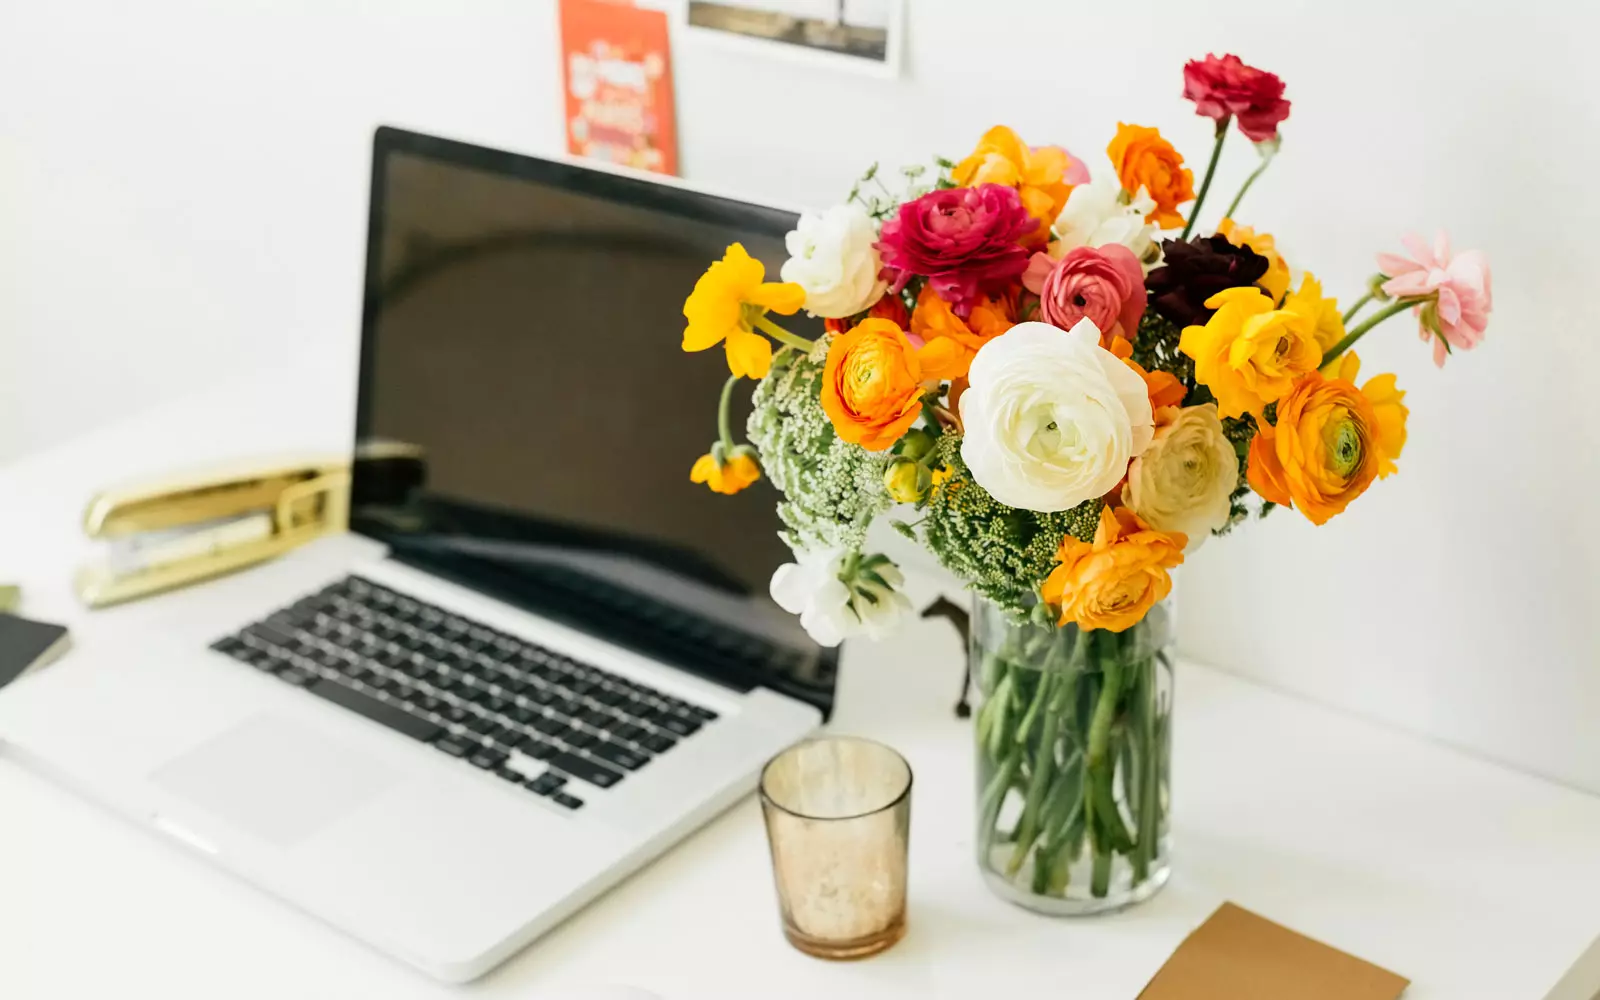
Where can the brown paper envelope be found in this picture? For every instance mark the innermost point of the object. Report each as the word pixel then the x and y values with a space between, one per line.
pixel 1236 955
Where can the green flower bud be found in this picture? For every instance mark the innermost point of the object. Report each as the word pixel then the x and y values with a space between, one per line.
pixel 907 482
pixel 916 444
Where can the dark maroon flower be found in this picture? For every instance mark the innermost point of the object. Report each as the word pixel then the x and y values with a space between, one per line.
pixel 1225 86
pixel 965 241
pixel 1194 271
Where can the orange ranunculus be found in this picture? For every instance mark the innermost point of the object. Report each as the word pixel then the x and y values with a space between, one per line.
pixel 1145 160
pixel 933 319
pixel 1165 388
pixel 725 477
pixel 890 307
pixel 872 383
pixel 1276 281
pixel 728 301
pixel 1112 582
pixel 1038 174
pixel 1328 445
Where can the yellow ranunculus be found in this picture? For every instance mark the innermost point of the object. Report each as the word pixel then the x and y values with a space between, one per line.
pixel 1276 281
pixel 1387 406
pixel 727 477
pixel 727 302
pixel 1250 354
pixel 1324 313
pixel 1330 442
pixel 1037 173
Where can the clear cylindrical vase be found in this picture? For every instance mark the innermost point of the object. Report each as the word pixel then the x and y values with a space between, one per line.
pixel 1074 740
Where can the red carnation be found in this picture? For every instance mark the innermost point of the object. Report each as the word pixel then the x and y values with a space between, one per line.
pixel 1220 87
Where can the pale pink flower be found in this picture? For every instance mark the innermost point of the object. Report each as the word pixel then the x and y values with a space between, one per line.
pixel 1461 283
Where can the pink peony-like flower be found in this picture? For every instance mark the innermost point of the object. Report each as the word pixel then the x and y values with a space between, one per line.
pixel 1102 284
pixel 1220 87
pixel 1460 313
pixel 965 241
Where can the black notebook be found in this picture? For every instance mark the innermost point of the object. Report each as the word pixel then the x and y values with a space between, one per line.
pixel 27 644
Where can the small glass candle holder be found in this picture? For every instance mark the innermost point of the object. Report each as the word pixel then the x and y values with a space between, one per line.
pixel 838 814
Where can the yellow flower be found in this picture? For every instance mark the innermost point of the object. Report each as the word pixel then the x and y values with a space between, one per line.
pixel 726 478
pixel 1250 354
pixel 1037 173
pixel 1387 405
pixel 1324 313
pixel 1276 281
pixel 726 304
pixel 907 481
pixel 1114 581
pixel 1330 441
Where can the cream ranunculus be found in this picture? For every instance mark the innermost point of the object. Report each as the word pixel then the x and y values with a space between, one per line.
pixel 1183 480
pixel 831 256
pixel 1052 419
pixel 1095 216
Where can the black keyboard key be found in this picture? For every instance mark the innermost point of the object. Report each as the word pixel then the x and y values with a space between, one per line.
pixel 675 724
pixel 585 769
pixel 595 719
pixel 656 742
pixel 521 715
pixel 547 782
pixel 456 746
pixel 271 634
pixel 296 676
pixel 629 732
pixel 499 706
pixel 703 714
pixel 487 759
pixel 456 714
pixel 578 739
pixel 609 695
pixel 536 748
pixel 508 774
pixel 565 706
pixel 550 727
pixel 482 725
pixel 567 801
pixel 621 756
pixel 392 716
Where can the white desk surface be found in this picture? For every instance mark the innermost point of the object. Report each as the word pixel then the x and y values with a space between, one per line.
pixel 1471 879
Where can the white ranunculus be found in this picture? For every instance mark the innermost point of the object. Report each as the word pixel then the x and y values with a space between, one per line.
pixel 832 258
pixel 1096 216
pixel 1183 480
pixel 838 595
pixel 1052 419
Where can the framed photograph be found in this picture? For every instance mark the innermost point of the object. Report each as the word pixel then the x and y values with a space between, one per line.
pixel 859 35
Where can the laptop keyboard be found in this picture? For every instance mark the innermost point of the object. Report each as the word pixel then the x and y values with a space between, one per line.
pixel 483 696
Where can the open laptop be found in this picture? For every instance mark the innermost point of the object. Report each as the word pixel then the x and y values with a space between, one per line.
pixel 541 655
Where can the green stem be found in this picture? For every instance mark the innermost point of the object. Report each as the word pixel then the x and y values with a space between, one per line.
pixel 1257 172
pixel 1394 308
pixel 724 432
pixel 1205 185
pixel 783 336
pixel 989 804
pixel 1350 314
pixel 1105 710
pixel 1044 763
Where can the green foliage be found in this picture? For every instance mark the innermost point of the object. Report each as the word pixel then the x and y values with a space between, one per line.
pixel 1156 347
pixel 1001 552
pixel 832 489
pixel 1240 431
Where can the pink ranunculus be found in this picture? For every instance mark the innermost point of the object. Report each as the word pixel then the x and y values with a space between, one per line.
pixel 1461 282
pixel 965 241
pixel 1102 284
pixel 1220 87
pixel 1077 170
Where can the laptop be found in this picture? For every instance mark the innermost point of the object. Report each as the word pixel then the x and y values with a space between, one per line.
pixel 541 655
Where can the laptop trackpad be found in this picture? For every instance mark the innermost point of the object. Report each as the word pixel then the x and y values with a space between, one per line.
pixel 274 779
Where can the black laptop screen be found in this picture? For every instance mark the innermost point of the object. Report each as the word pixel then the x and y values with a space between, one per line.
pixel 528 418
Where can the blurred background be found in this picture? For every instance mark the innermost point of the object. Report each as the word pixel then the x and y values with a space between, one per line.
pixel 183 200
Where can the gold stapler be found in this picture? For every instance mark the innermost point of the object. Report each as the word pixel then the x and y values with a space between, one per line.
pixel 186 528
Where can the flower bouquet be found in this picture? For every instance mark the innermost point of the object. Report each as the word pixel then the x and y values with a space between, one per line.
pixel 1037 369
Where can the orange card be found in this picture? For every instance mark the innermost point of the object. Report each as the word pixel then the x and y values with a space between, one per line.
pixel 1236 955
pixel 616 64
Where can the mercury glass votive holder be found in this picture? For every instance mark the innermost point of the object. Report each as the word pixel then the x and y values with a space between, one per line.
pixel 838 816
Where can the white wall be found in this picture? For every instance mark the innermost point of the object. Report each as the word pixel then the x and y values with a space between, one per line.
pixel 182 191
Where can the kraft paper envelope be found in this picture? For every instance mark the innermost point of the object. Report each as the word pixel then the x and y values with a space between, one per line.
pixel 1236 955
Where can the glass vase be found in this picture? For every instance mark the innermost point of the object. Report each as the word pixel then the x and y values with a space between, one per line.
pixel 1074 741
